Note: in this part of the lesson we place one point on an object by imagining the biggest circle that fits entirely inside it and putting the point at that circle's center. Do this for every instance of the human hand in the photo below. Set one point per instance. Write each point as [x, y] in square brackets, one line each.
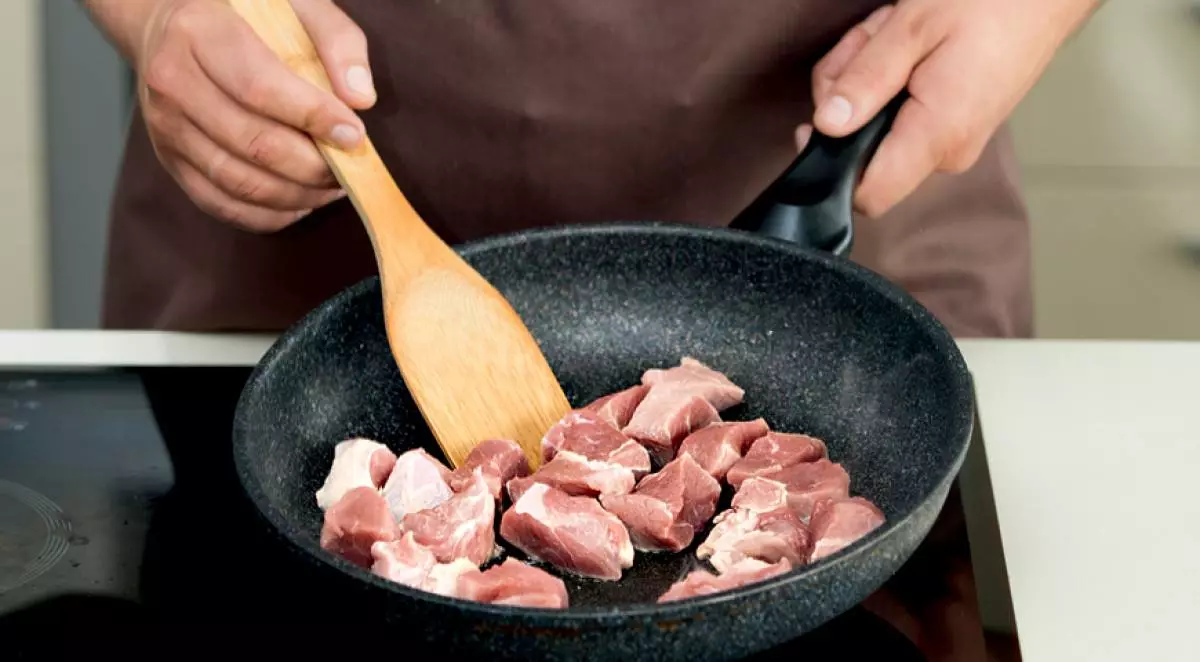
[233, 125]
[966, 64]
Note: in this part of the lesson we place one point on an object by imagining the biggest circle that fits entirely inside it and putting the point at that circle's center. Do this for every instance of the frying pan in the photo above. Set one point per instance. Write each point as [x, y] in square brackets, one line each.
[821, 346]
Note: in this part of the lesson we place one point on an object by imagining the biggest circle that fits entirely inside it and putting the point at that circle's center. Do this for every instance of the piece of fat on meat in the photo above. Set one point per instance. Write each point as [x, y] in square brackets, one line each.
[770, 536]
[585, 433]
[417, 482]
[576, 475]
[356, 463]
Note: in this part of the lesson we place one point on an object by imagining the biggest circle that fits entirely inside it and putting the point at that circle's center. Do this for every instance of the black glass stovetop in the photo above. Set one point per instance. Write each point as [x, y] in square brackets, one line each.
[119, 518]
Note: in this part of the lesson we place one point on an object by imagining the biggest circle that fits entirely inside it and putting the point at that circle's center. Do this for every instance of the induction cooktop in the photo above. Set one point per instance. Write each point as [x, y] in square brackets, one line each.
[120, 517]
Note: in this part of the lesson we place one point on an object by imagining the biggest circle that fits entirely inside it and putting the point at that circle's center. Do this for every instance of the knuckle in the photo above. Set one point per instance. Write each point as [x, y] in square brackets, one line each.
[918, 26]
[242, 185]
[265, 147]
[161, 73]
[188, 19]
[257, 90]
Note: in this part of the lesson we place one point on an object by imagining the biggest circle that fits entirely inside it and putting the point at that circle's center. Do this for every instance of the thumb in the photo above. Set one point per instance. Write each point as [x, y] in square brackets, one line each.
[343, 50]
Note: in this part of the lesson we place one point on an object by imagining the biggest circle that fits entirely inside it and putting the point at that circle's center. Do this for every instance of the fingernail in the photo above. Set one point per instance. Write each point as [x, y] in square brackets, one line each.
[358, 78]
[345, 136]
[340, 195]
[803, 135]
[835, 112]
[301, 214]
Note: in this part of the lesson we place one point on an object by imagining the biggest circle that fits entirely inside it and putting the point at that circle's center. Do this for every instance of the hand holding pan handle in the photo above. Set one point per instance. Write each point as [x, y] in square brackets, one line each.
[812, 202]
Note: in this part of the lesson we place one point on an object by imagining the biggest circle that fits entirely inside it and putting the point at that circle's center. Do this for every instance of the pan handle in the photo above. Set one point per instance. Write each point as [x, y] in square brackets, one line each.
[812, 202]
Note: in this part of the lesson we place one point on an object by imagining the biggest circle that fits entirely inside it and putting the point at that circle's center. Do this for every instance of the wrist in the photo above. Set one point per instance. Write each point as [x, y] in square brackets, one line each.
[124, 22]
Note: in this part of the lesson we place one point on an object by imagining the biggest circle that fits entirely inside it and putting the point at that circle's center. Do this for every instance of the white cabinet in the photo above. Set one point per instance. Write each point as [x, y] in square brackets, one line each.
[23, 272]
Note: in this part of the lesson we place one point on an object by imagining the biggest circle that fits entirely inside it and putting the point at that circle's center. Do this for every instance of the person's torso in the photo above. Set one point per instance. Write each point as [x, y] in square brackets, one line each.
[495, 116]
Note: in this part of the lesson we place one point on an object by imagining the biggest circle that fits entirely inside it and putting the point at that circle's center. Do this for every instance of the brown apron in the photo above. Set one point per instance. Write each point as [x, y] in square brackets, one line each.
[496, 116]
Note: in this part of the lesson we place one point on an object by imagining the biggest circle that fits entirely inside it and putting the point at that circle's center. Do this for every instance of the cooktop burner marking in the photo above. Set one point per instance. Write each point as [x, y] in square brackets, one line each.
[28, 518]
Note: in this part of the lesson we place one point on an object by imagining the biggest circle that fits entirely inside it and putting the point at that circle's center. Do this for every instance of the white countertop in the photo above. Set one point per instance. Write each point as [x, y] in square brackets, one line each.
[1093, 450]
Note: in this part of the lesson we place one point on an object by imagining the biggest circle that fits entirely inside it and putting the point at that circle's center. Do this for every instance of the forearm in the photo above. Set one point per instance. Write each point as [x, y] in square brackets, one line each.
[123, 21]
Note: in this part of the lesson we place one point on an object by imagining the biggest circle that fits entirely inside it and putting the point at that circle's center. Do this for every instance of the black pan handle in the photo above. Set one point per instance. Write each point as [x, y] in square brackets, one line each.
[812, 202]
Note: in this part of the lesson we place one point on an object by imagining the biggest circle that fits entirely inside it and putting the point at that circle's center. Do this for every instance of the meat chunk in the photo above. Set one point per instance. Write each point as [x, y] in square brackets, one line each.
[838, 523]
[571, 533]
[501, 460]
[417, 482]
[356, 522]
[667, 508]
[702, 582]
[773, 452]
[740, 534]
[761, 495]
[618, 408]
[665, 417]
[461, 527]
[578, 476]
[586, 433]
[405, 561]
[356, 463]
[811, 482]
[720, 445]
[694, 377]
[514, 583]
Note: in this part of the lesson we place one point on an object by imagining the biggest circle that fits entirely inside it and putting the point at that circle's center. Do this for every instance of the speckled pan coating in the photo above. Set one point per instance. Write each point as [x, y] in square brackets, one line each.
[820, 345]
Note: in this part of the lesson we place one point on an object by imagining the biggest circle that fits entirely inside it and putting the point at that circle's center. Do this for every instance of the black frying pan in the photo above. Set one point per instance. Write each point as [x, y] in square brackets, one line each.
[821, 346]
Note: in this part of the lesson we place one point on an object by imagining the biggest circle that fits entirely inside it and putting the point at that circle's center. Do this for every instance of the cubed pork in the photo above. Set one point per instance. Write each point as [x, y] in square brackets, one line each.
[574, 534]
[405, 561]
[838, 523]
[669, 507]
[618, 408]
[356, 463]
[514, 583]
[761, 495]
[719, 446]
[578, 476]
[461, 527]
[739, 534]
[696, 378]
[356, 522]
[773, 452]
[500, 460]
[418, 482]
[811, 482]
[665, 417]
[703, 582]
[586, 433]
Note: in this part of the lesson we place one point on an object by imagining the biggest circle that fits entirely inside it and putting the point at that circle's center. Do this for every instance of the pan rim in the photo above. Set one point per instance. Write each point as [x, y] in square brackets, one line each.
[573, 617]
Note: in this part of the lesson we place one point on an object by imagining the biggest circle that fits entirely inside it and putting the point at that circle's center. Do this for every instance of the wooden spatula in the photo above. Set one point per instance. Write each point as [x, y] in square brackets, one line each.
[473, 368]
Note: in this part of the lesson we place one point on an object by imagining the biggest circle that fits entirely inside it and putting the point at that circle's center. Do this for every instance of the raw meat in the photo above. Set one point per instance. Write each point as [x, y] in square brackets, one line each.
[356, 463]
[702, 582]
[356, 522]
[461, 527]
[773, 452]
[578, 476]
[837, 523]
[407, 562]
[669, 507]
[761, 495]
[586, 434]
[720, 445]
[514, 583]
[500, 460]
[696, 378]
[810, 482]
[571, 533]
[665, 417]
[618, 408]
[739, 534]
[417, 482]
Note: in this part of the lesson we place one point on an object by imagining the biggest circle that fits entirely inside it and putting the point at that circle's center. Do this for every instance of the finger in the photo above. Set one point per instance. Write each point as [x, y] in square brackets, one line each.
[803, 135]
[254, 138]
[880, 70]
[245, 181]
[343, 49]
[218, 204]
[829, 68]
[256, 78]
[909, 153]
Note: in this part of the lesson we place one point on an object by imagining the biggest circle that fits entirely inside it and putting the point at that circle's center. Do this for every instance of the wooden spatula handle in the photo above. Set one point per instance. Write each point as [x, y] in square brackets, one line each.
[361, 172]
